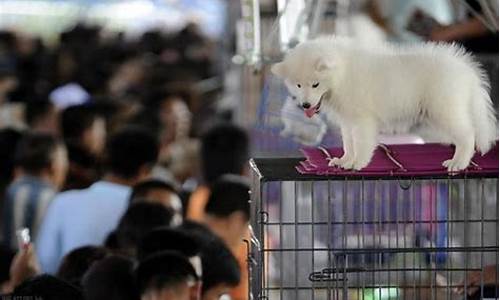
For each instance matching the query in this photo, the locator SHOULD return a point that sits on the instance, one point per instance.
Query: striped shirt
(26, 201)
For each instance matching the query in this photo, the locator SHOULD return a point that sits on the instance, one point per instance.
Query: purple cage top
(398, 160)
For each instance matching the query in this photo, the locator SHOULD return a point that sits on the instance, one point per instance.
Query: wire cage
(338, 237)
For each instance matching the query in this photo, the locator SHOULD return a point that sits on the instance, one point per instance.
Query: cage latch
(264, 217)
(333, 274)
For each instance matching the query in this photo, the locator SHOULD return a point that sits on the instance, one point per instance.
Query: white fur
(307, 131)
(437, 90)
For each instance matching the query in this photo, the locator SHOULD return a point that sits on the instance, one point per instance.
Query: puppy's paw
(455, 165)
(359, 165)
(344, 162)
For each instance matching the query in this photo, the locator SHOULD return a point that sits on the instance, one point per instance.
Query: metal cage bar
(371, 238)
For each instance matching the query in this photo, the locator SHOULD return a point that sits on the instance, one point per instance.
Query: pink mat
(398, 160)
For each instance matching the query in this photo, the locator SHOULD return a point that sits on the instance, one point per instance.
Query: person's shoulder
(71, 193)
(17, 183)
(201, 193)
(69, 198)
(18, 187)
(29, 183)
(11, 188)
(64, 203)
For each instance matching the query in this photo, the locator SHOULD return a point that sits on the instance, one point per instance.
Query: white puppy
(436, 90)
(307, 131)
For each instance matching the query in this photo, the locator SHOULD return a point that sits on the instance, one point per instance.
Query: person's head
(173, 111)
(42, 116)
(221, 271)
(220, 268)
(157, 191)
(224, 150)
(77, 262)
(228, 208)
(47, 287)
(138, 220)
(148, 119)
(199, 230)
(111, 278)
(166, 275)
(172, 239)
(83, 126)
(43, 155)
(131, 154)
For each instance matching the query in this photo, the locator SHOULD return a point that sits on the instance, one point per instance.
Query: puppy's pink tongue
(310, 111)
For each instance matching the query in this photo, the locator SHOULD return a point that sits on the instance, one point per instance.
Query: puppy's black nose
(306, 105)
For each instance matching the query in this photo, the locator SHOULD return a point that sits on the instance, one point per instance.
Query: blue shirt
(78, 218)
(26, 201)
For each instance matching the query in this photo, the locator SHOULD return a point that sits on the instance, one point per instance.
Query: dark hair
(35, 152)
(158, 96)
(142, 189)
(111, 279)
(6, 257)
(76, 119)
(129, 150)
(37, 109)
(77, 262)
(111, 110)
(229, 194)
(198, 230)
(48, 287)
(149, 119)
(195, 227)
(138, 220)
(163, 270)
(219, 265)
(9, 139)
(224, 149)
(172, 239)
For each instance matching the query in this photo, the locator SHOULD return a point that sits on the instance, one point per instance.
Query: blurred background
(212, 54)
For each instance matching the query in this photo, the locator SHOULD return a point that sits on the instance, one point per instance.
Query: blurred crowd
(113, 156)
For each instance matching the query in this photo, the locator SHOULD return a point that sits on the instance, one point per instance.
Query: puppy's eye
(299, 86)
(294, 98)
(315, 85)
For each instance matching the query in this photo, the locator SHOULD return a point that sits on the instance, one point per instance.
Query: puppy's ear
(322, 65)
(278, 69)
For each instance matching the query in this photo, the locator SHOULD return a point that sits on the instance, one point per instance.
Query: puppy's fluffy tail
(483, 113)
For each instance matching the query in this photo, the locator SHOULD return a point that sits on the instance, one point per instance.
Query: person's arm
(468, 29)
(240, 292)
(375, 14)
(24, 266)
(196, 204)
(488, 276)
(48, 243)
